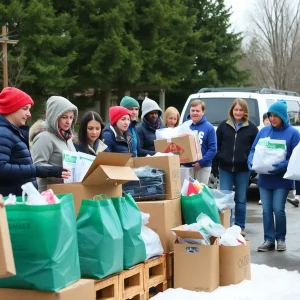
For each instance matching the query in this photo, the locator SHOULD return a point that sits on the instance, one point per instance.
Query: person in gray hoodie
(50, 137)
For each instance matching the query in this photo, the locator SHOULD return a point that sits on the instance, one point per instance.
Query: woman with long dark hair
(90, 133)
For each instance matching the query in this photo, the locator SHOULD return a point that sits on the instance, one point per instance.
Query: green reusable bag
(204, 203)
(131, 222)
(44, 242)
(100, 239)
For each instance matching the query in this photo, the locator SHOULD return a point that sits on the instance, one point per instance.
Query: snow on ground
(267, 284)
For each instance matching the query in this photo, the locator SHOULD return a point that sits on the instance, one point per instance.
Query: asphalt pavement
(290, 259)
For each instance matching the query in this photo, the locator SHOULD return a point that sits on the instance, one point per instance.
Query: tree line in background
(82, 49)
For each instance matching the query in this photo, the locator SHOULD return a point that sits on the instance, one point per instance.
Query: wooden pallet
(155, 271)
(161, 287)
(170, 283)
(170, 264)
(107, 288)
(131, 283)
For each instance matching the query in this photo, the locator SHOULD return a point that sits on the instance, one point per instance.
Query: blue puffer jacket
(116, 142)
(16, 166)
(146, 137)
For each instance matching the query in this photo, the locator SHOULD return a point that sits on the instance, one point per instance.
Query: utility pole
(4, 41)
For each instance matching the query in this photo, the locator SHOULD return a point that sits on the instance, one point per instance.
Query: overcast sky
(241, 10)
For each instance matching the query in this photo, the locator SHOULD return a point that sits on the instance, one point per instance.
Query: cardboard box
(198, 270)
(187, 147)
(7, 263)
(235, 264)
(225, 218)
(169, 164)
(164, 215)
(82, 289)
(105, 176)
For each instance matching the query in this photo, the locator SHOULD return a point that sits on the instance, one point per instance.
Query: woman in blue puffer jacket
(115, 134)
(16, 165)
(273, 188)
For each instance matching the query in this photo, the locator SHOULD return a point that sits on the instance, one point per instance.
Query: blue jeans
(241, 181)
(273, 204)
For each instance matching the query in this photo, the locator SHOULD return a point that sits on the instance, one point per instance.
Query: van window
(270, 102)
(293, 110)
(216, 109)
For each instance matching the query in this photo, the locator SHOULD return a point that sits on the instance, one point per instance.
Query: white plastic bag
(267, 153)
(212, 228)
(293, 170)
(224, 199)
(151, 239)
(232, 237)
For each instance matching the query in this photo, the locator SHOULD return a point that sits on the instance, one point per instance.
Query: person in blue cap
(133, 106)
(273, 188)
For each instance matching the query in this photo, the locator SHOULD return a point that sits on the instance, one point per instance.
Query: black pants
(297, 187)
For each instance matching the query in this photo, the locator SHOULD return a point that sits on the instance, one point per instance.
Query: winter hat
(279, 108)
(149, 105)
(12, 99)
(116, 113)
(129, 102)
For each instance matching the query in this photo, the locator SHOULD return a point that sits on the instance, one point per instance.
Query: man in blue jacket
(207, 136)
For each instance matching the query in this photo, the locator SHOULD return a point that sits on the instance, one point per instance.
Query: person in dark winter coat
(16, 165)
(235, 137)
(201, 169)
(115, 134)
(151, 121)
(133, 106)
(90, 132)
(273, 188)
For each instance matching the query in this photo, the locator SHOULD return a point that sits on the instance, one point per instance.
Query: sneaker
(243, 233)
(259, 202)
(266, 246)
(294, 201)
(281, 246)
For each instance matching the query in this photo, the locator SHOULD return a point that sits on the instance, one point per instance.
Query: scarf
(65, 134)
(153, 126)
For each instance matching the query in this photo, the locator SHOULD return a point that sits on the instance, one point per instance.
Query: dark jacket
(146, 136)
(234, 145)
(116, 142)
(16, 165)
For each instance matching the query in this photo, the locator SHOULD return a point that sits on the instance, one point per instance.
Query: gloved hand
(280, 168)
(48, 171)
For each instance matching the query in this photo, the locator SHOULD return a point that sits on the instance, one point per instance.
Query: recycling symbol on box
(174, 149)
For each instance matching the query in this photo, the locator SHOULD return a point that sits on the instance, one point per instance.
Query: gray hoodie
(47, 144)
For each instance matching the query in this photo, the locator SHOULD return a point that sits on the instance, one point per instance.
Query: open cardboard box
(7, 263)
(197, 270)
(235, 264)
(169, 164)
(105, 176)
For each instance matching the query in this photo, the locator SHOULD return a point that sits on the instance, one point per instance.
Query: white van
(218, 101)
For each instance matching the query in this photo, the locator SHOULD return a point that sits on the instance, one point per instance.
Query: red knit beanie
(12, 99)
(116, 113)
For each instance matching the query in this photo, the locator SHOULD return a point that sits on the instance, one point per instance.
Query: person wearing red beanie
(16, 166)
(115, 134)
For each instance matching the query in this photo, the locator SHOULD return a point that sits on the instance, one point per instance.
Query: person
(235, 137)
(133, 106)
(171, 117)
(266, 122)
(201, 169)
(50, 137)
(1, 201)
(115, 134)
(151, 121)
(273, 188)
(297, 119)
(16, 166)
(89, 136)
